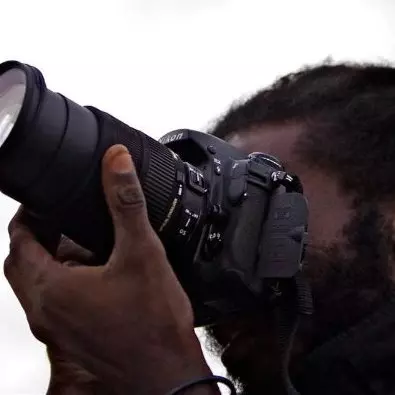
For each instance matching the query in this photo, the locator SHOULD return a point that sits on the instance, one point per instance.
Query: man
(333, 126)
(126, 327)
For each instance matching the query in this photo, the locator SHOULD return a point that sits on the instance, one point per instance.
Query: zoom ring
(158, 183)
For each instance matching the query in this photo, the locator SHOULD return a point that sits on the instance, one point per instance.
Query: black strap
(297, 303)
(204, 380)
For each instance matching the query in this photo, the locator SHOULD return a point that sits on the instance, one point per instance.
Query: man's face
(346, 260)
(329, 208)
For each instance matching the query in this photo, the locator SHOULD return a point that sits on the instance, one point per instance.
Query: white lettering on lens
(169, 214)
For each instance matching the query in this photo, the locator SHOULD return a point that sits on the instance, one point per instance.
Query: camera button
(196, 181)
(236, 190)
(211, 149)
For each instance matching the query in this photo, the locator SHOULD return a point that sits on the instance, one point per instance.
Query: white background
(165, 64)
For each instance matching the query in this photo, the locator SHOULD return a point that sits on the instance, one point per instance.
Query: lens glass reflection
(12, 94)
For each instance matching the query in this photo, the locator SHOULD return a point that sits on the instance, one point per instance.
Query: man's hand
(128, 322)
(69, 377)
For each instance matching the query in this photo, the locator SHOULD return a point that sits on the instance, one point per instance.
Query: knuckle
(37, 326)
(8, 264)
(52, 299)
(129, 197)
(16, 245)
(64, 243)
(69, 251)
(151, 247)
(158, 247)
(140, 258)
(11, 227)
(71, 263)
(15, 222)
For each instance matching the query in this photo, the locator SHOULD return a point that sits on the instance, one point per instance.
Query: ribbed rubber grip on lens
(125, 135)
(158, 182)
(155, 166)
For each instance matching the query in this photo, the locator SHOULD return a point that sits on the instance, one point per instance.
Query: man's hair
(348, 111)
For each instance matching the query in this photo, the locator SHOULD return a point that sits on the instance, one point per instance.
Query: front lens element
(12, 94)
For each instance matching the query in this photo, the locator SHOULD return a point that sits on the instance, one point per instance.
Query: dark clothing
(360, 361)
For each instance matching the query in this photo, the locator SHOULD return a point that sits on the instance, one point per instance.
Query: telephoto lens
(50, 159)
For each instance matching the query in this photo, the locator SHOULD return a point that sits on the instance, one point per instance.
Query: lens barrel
(51, 163)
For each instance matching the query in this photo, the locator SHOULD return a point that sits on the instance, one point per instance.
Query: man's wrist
(76, 389)
(68, 378)
(177, 367)
(199, 369)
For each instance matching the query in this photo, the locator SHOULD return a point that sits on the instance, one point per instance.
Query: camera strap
(294, 304)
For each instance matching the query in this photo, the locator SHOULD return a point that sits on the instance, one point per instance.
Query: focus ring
(155, 167)
(158, 183)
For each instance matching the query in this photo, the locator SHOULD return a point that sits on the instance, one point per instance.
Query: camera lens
(12, 94)
(50, 159)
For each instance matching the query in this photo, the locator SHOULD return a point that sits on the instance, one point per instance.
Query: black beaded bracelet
(204, 380)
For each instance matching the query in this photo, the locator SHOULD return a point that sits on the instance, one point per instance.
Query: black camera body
(241, 228)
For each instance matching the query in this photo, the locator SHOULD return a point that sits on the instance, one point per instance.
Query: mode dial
(266, 159)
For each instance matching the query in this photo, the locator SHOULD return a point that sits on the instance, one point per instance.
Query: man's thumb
(124, 196)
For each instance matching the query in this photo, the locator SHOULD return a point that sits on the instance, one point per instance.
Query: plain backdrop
(159, 65)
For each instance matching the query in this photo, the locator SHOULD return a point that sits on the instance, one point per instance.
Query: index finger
(16, 220)
(42, 232)
(28, 263)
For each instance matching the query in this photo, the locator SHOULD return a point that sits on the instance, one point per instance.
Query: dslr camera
(233, 224)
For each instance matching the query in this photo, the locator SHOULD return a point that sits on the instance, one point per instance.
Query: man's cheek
(330, 209)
